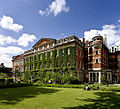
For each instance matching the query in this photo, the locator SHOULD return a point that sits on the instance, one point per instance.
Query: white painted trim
(96, 68)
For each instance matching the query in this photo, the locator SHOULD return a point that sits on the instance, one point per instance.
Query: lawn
(35, 97)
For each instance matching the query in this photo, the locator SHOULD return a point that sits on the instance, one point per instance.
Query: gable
(43, 41)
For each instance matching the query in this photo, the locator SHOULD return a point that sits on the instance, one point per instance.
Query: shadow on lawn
(105, 100)
(15, 95)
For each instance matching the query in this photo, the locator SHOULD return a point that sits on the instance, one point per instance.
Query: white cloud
(7, 22)
(22, 40)
(11, 50)
(119, 20)
(6, 40)
(112, 32)
(25, 39)
(6, 59)
(6, 54)
(42, 12)
(55, 7)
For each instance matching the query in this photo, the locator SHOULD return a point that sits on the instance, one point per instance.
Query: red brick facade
(17, 62)
(92, 58)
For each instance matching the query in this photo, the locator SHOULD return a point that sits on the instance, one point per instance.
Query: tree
(3, 76)
(103, 79)
(27, 76)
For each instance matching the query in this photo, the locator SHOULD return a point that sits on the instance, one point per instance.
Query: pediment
(43, 41)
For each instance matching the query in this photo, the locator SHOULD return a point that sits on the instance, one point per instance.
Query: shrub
(13, 85)
(103, 79)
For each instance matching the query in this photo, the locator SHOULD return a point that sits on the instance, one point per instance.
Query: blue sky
(24, 22)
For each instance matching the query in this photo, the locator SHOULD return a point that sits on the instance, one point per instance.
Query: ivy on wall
(60, 67)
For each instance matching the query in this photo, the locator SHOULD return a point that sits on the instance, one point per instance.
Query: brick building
(97, 54)
(53, 55)
(87, 59)
(114, 62)
(17, 63)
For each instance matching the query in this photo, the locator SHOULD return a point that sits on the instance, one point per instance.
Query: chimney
(83, 41)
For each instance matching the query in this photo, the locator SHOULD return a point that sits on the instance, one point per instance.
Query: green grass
(35, 97)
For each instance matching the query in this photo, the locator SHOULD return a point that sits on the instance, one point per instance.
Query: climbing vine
(60, 65)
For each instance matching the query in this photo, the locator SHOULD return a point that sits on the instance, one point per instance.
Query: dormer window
(65, 40)
(60, 42)
(98, 38)
(71, 39)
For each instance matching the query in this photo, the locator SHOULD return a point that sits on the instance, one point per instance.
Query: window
(90, 65)
(50, 54)
(57, 53)
(35, 57)
(62, 52)
(53, 44)
(80, 64)
(112, 49)
(45, 65)
(98, 38)
(48, 46)
(50, 65)
(40, 56)
(35, 67)
(43, 47)
(96, 60)
(45, 55)
(76, 65)
(68, 64)
(79, 52)
(96, 52)
(68, 51)
(39, 65)
(38, 49)
(90, 50)
(15, 63)
(32, 67)
(90, 58)
(32, 58)
(76, 52)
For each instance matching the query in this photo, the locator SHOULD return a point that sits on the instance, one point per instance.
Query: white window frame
(96, 59)
(68, 51)
(97, 51)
